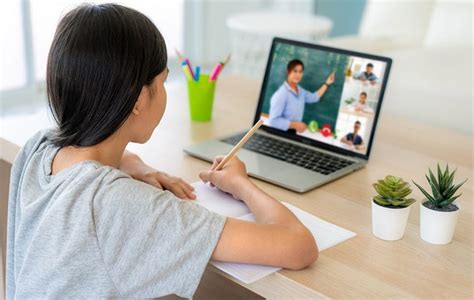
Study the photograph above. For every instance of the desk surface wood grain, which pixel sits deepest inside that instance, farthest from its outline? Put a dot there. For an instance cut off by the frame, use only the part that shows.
(364, 266)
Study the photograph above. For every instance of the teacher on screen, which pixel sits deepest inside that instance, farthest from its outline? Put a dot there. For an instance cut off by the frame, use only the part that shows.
(287, 103)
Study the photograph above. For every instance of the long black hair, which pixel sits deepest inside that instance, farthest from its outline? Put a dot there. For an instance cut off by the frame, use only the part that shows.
(100, 59)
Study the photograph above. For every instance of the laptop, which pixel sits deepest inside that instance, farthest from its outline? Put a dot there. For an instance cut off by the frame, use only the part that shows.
(320, 107)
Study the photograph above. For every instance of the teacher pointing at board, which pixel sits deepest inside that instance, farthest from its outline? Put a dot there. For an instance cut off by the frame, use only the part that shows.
(287, 103)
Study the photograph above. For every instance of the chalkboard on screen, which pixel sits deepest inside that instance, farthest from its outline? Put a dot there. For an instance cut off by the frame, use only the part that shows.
(318, 65)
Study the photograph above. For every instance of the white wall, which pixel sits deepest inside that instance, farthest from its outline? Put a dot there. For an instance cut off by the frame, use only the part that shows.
(430, 43)
(450, 24)
(208, 23)
(405, 21)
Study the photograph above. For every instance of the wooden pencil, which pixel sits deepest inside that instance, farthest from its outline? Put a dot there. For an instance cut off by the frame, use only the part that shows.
(239, 145)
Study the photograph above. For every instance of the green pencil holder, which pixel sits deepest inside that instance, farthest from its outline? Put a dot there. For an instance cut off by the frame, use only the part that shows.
(201, 98)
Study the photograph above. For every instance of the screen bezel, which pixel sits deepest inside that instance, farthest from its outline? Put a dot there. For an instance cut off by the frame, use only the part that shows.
(309, 141)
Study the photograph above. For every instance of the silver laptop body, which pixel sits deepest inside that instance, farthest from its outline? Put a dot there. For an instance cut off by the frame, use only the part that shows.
(281, 171)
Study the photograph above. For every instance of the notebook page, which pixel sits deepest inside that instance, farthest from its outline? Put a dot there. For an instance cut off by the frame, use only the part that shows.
(325, 233)
(247, 273)
(217, 201)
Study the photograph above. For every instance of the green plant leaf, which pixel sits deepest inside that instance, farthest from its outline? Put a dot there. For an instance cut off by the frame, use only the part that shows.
(384, 190)
(402, 185)
(395, 202)
(392, 191)
(448, 201)
(432, 177)
(381, 189)
(381, 201)
(450, 179)
(446, 174)
(427, 195)
(434, 187)
(452, 190)
(382, 183)
(403, 193)
(442, 181)
(409, 202)
(440, 173)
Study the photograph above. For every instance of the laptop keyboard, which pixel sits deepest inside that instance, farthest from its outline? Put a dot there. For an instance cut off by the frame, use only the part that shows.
(304, 157)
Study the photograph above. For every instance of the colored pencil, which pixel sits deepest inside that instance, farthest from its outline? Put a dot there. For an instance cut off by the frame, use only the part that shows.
(226, 60)
(215, 73)
(180, 56)
(190, 67)
(218, 68)
(186, 71)
(196, 74)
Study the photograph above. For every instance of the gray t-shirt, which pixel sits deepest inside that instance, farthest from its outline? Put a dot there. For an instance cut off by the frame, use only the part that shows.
(91, 231)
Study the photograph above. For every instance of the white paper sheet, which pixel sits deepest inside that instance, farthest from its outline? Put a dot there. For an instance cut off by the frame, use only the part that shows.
(217, 201)
(326, 234)
(246, 273)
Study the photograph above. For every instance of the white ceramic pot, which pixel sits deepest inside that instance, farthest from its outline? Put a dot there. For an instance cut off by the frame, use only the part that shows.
(389, 223)
(437, 227)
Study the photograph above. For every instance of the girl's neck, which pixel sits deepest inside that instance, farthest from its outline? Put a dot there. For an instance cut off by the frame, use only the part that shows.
(109, 152)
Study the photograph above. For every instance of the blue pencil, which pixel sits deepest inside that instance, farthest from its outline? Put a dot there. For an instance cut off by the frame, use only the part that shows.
(196, 74)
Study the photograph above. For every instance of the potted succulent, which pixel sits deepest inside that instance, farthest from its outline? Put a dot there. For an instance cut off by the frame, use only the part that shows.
(390, 208)
(439, 211)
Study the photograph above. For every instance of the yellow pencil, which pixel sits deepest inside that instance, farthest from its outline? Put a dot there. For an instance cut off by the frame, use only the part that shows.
(186, 72)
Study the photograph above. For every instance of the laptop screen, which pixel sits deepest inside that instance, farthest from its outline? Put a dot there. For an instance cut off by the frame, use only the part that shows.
(328, 96)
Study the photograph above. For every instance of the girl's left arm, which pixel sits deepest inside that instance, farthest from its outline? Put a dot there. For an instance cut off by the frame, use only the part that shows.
(134, 166)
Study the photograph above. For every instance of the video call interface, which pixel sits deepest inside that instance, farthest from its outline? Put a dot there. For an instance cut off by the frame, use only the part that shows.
(325, 96)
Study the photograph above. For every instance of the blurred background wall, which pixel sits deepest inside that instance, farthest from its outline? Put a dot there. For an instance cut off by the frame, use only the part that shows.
(430, 42)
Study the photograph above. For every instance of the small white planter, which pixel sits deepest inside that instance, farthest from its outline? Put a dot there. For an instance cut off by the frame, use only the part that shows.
(389, 223)
(437, 227)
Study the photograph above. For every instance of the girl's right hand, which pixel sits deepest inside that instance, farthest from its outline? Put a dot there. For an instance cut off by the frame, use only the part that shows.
(232, 178)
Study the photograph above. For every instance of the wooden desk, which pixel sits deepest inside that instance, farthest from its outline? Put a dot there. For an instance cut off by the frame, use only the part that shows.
(362, 267)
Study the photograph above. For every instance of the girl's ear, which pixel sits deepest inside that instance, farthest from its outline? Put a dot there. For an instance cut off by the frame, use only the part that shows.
(141, 101)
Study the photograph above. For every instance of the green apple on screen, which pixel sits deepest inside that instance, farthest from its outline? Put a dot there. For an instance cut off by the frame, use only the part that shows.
(313, 126)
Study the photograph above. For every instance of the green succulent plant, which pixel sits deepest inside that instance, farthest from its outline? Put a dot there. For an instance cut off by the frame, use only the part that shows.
(392, 192)
(442, 188)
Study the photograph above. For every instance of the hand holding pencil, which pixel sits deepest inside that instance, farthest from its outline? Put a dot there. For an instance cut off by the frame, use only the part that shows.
(233, 178)
(230, 180)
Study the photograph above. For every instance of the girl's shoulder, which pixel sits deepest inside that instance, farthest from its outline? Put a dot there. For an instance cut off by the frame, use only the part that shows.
(112, 183)
(37, 143)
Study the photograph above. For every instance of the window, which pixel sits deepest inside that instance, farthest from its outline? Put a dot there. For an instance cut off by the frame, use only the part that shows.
(21, 68)
(45, 15)
(12, 62)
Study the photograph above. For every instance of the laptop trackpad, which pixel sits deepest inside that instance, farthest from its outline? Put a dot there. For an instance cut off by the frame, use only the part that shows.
(279, 172)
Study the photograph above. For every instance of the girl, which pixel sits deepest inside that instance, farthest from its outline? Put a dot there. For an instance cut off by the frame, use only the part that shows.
(87, 218)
